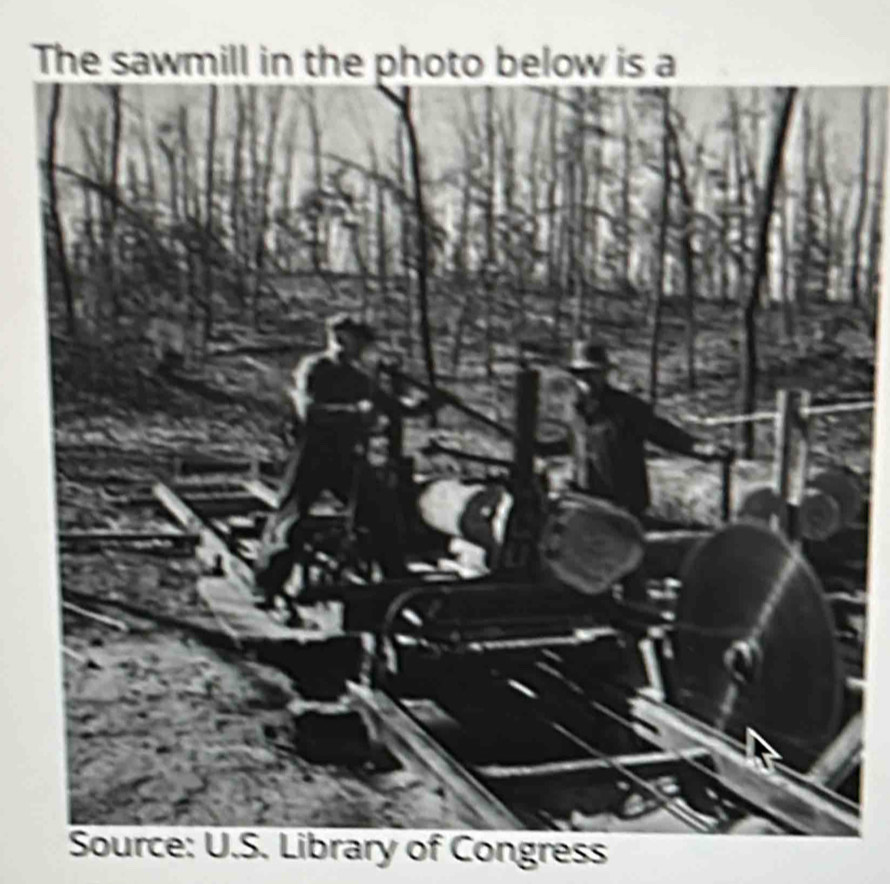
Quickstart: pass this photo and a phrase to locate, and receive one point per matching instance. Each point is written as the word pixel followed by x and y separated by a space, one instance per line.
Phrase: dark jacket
pixel 608 447
pixel 322 380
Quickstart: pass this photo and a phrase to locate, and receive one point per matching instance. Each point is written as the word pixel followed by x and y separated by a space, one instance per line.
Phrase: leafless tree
pixel 862 205
pixel 56 227
pixel 403 103
pixel 661 247
pixel 749 368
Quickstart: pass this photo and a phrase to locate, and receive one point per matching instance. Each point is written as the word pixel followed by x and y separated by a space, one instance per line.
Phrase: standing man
pixel 608 433
pixel 336 401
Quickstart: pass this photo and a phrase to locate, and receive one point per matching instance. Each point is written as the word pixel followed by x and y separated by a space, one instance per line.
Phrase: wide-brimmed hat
pixel 588 356
pixel 342 323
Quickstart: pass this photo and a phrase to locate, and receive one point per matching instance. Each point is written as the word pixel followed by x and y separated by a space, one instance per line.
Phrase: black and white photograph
pixel 489 458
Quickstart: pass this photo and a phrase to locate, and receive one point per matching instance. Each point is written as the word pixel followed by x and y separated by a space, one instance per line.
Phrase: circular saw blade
pixel 755 645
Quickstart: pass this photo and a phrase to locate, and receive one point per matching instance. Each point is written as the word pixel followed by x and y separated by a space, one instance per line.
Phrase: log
pixel 819 516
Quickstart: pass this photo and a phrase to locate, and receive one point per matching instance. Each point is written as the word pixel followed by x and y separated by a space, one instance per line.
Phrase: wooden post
pixel 527 385
pixel 726 488
pixel 791 446
pixel 519 552
pixel 395 431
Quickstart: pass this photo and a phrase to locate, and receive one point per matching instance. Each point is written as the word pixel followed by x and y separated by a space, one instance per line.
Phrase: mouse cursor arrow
pixel 759 753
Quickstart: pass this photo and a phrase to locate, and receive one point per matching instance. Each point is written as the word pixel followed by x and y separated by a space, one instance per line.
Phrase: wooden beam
pixel 232 599
pixel 784 795
pixel 73 541
pixel 766 416
pixel 262 492
pixel 791 449
pixel 210 505
pixel 643 763
pixel 392 727
pixel 94 615
pixel 839 760
pixel 212 550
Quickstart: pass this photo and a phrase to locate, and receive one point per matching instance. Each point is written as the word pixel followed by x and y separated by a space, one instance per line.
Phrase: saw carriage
pixel 547 645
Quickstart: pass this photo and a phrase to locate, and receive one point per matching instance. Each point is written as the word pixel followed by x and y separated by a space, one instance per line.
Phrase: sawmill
pixel 512 667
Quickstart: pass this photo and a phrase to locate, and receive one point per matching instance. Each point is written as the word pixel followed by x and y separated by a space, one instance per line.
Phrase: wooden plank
pixel 73 541
pixel 232 599
pixel 785 795
pixel 238 617
pixel 575 639
pixel 838 408
pixel 211 505
pixel 766 416
pixel 395 729
pixel 262 492
pixel 643 763
pixel 791 449
pixel 839 760
pixel 94 615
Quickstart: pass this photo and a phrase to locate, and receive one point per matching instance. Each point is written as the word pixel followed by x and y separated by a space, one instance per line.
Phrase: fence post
pixel 791 448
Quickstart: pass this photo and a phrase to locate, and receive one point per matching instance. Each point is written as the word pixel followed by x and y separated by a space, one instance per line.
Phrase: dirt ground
pixel 163 728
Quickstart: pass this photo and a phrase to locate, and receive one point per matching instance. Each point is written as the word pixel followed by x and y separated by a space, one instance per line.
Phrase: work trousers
pixel 314 468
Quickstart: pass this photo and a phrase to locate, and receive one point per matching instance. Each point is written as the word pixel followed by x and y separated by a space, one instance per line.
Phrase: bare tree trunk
pixel 873 268
pixel 189 215
pixel 319 240
pixel 855 291
pixel 788 329
pixel 687 221
pixel 723 261
pixel 552 184
pixel 488 280
pixel 236 218
pixel 749 353
pixel 58 231
pixel 169 153
pixel 404 105
pixel 561 258
pixel 110 232
pixel 595 208
pixel 578 224
pixel 264 197
pixel 364 246
pixel 212 101
pixel 89 227
pixel 741 200
pixel 147 159
pixel 405 237
pixel 805 212
pixel 252 209
pixel 664 221
pixel 828 204
pixel 529 256
pixel 285 197
pixel 841 243
pixel 189 204
pixel 626 168
pixel 382 245
pixel 461 258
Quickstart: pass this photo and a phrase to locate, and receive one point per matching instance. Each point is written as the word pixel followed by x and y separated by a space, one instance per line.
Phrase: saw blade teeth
pixel 755 644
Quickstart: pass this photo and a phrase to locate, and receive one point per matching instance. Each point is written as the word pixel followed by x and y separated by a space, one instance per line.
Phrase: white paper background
pixel 758 42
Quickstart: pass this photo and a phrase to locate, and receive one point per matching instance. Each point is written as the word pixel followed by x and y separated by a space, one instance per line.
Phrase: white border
pixel 758 42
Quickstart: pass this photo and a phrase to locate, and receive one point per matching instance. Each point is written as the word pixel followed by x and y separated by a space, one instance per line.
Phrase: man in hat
pixel 609 430
pixel 336 402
